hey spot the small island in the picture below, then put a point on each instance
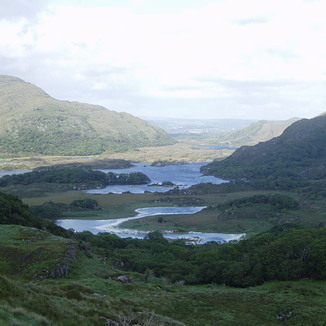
(163, 184)
(72, 179)
(168, 162)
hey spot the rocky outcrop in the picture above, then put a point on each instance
(121, 278)
(61, 269)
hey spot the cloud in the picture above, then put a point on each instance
(214, 58)
(16, 9)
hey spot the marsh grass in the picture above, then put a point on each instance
(189, 151)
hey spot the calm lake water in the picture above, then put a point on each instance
(112, 226)
(3, 172)
(183, 176)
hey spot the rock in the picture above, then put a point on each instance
(121, 278)
(110, 322)
(284, 317)
(59, 271)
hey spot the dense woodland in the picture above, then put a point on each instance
(13, 211)
(74, 177)
(283, 253)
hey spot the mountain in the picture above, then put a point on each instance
(175, 126)
(300, 151)
(34, 122)
(256, 132)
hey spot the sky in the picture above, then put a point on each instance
(198, 59)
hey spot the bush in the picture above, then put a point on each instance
(86, 203)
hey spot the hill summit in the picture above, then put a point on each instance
(35, 123)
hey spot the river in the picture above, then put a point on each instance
(112, 226)
(182, 175)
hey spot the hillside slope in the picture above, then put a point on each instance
(299, 151)
(256, 132)
(34, 122)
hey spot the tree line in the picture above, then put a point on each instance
(74, 176)
(286, 252)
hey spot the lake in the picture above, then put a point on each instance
(182, 175)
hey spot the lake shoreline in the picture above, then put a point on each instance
(112, 226)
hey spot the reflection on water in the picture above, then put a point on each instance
(112, 226)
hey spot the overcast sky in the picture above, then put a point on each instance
(253, 59)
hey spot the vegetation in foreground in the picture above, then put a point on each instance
(84, 279)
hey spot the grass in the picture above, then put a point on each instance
(28, 252)
(85, 296)
(188, 151)
(113, 205)
(310, 213)
(201, 222)
(89, 300)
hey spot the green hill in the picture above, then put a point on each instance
(256, 132)
(34, 122)
(299, 152)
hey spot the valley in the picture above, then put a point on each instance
(270, 195)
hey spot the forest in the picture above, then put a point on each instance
(73, 177)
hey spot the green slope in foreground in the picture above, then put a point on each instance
(33, 122)
(49, 280)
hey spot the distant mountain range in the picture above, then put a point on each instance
(299, 152)
(223, 132)
(33, 122)
(179, 127)
(256, 132)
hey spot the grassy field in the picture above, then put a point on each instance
(87, 296)
(188, 151)
(251, 221)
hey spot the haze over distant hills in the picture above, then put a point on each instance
(298, 153)
(34, 122)
(175, 126)
(223, 132)
(256, 132)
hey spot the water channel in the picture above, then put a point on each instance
(182, 176)
(112, 226)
